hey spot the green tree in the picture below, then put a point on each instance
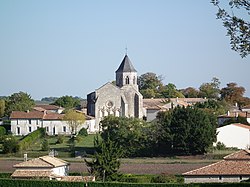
(2, 107)
(10, 144)
(105, 162)
(170, 91)
(214, 106)
(188, 130)
(19, 102)
(238, 28)
(233, 94)
(74, 120)
(210, 90)
(150, 85)
(67, 102)
(129, 133)
(190, 92)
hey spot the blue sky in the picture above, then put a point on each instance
(59, 47)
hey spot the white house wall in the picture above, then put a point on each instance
(61, 171)
(213, 179)
(234, 136)
(53, 127)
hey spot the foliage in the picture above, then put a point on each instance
(2, 131)
(18, 102)
(238, 28)
(129, 133)
(105, 163)
(210, 90)
(74, 120)
(28, 140)
(238, 119)
(213, 106)
(190, 92)
(220, 146)
(10, 144)
(67, 102)
(49, 99)
(166, 179)
(2, 107)
(150, 85)
(188, 130)
(233, 94)
(45, 145)
(83, 132)
(170, 91)
(60, 139)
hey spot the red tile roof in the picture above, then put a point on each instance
(36, 115)
(48, 107)
(234, 164)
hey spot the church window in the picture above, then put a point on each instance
(134, 80)
(127, 80)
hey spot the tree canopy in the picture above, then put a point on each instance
(237, 25)
(67, 102)
(74, 120)
(19, 102)
(105, 162)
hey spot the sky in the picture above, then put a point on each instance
(61, 47)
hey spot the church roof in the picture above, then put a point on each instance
(126, 65)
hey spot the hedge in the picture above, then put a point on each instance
(43, 183)
(31, 138)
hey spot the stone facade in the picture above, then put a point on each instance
(122, 99)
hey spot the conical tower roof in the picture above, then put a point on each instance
(126, 66)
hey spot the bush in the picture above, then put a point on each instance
(220, 146)
(83, 132)
(10, 144)
(164, 179)
(2, 131)
(31, 138)
(45, 145)
(60, 139)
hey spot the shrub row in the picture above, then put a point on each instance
(31, 138)
(42, 183)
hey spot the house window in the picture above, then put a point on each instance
(47, 129)
(30, 129)
(18, 130)
(64, 128)
(17, 121)
(127, 80)
(29, 121)
(220, 177)
(240, 177)
(37, 123)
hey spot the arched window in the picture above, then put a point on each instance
(127, 80)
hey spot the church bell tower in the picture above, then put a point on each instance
(126, 75)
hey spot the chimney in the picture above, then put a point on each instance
(25, 157)
(28, 111)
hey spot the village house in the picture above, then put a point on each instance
(154, 105)
(46, 167)
(233, 115)
(234, 135)
(23, 123)
(233, 168)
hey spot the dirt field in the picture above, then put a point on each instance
(133, 168)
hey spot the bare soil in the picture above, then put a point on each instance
(132, 168)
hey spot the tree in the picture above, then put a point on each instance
(49, 99)
(19, 102)
(238, 29)
(170, 91)
(45, 145)
(128, 133)
(10, 144)
(214, 106)
(74, 120)
(189, 130)
(105, 163)
(67, 102)
(233, 94)
(210, 90)
(2, 107)
(190, 92)
(150, 85)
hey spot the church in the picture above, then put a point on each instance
(120, 99)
